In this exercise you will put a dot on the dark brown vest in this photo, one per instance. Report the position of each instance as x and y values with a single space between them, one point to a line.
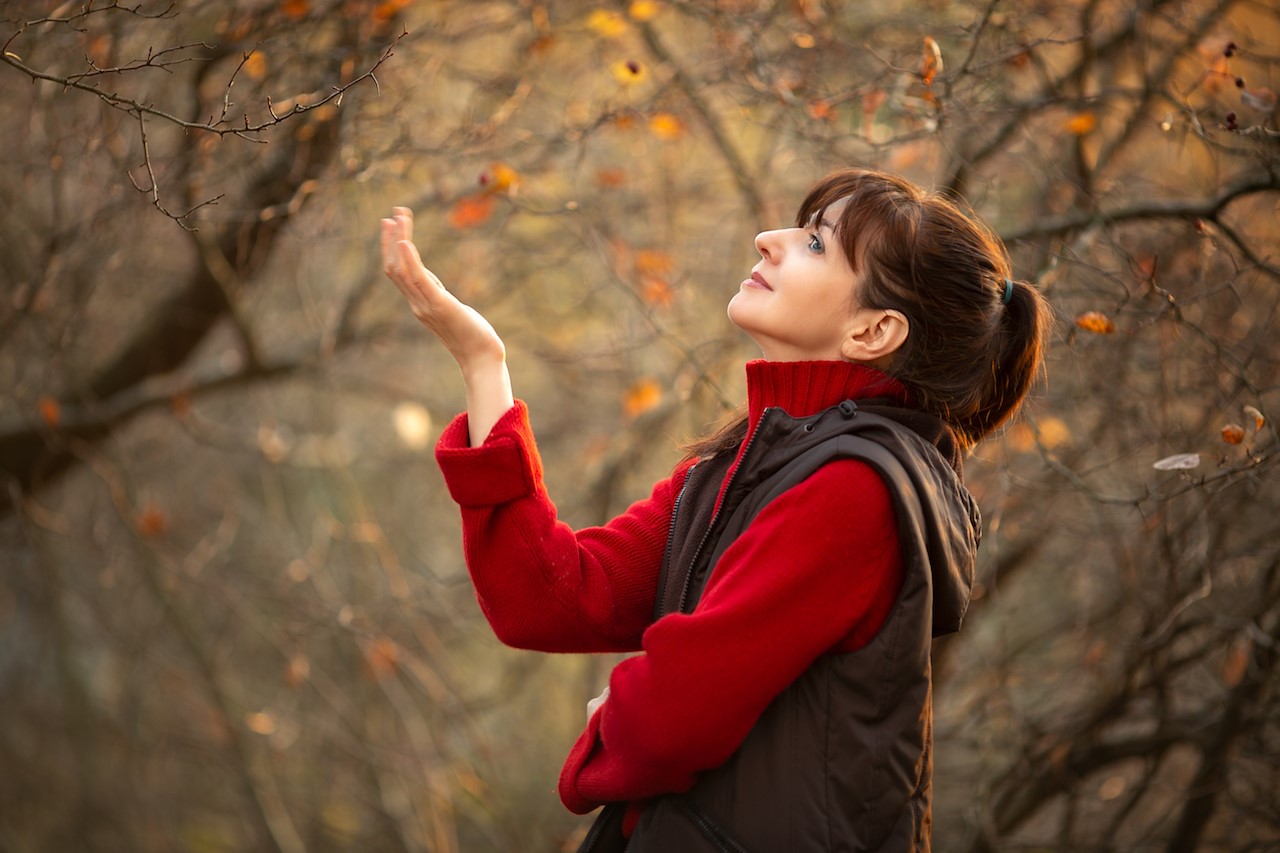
842 759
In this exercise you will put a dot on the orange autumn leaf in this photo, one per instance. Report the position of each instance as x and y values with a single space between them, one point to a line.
388 9
872 100
1081 123
297 671
381 657
931 63
641 397
150 521
820 111
470 211
653 262
295 9
1235 666
1217 74
50 411
1096 322
610 179
1258 419
656 292
1233 434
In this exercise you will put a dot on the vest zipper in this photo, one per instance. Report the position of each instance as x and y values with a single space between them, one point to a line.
724 842
671 529
706 534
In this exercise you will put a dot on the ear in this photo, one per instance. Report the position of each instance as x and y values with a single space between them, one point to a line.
874 335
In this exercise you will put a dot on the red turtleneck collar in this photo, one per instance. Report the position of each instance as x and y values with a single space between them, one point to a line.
803 388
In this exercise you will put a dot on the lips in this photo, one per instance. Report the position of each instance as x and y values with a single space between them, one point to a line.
759 279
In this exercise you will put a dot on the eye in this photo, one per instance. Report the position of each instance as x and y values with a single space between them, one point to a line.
815 244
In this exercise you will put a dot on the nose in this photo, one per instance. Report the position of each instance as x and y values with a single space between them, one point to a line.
768 244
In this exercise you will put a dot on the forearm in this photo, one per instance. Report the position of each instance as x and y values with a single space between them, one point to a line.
489 397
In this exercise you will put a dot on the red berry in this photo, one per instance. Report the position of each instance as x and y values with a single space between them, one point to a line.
1231 121
633 66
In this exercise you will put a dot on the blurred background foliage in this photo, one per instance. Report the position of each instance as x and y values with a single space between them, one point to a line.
233 609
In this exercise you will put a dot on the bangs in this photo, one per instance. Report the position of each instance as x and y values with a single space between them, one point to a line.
871 200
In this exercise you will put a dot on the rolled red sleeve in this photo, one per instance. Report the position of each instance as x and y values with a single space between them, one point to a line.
509 449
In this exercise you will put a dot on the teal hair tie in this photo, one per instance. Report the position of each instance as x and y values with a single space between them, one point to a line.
1008 291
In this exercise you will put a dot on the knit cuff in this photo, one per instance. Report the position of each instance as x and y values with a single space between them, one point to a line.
578 757
502 469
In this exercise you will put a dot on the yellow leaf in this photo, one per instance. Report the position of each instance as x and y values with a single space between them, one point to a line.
499 177
641 397
1081 123
642 10
629 73
255 65
931 63
666 126
804 41
606 24
1096 322
470 211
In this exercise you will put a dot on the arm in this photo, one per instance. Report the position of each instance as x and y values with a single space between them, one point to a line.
811 575
540 584
468 336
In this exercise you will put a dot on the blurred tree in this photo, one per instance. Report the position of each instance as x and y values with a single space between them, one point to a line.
234 614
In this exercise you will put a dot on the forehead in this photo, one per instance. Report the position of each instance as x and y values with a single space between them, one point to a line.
828 216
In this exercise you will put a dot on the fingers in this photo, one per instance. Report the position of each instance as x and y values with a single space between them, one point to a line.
404 216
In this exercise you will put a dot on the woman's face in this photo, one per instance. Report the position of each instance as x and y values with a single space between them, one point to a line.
799 302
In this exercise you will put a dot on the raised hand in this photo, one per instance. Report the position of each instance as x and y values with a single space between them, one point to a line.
468 336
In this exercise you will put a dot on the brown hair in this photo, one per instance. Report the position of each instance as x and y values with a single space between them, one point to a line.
970 356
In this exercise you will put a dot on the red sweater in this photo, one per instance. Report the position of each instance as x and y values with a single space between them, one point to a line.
816 572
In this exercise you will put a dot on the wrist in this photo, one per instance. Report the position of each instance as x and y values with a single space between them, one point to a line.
481 368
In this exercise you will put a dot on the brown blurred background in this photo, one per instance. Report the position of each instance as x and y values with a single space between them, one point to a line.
233 609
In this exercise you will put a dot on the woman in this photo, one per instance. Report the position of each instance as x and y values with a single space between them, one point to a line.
783 585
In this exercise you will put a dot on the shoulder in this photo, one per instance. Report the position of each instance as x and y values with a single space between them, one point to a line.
845 498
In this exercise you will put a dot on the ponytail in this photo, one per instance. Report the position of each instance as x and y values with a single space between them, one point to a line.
1019 344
